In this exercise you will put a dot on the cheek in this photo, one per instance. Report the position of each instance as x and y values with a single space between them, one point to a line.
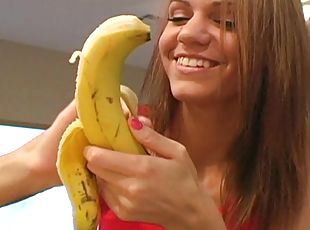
231 79
165 47
167 41
231 52
231 49
163 42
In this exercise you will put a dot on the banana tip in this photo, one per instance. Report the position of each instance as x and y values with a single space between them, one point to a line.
74 56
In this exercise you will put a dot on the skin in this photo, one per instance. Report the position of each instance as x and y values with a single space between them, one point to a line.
184 181
32 167
198 35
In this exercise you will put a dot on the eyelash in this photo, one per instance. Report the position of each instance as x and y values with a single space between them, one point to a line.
179 20
228 24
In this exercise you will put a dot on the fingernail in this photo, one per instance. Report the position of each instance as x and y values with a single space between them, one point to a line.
136 124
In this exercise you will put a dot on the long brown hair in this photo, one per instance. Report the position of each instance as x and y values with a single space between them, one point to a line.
267 176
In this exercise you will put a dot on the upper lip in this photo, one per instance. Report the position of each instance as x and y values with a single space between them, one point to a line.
197 56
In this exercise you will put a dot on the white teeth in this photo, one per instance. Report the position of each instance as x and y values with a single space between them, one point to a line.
206 64
193 62
200 63
185 61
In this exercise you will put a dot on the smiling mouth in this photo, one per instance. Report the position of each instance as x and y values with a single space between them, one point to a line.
196 62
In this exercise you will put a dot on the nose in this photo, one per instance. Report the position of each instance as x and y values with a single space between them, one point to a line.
194 32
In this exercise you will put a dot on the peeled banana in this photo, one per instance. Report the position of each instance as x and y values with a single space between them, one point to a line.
101 120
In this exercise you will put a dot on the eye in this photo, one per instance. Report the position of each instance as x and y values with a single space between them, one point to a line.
178 20
229 24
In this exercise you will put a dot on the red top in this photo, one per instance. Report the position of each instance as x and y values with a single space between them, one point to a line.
109 221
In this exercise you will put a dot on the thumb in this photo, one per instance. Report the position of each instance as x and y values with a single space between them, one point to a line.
65 117
154 141
161 145
146 121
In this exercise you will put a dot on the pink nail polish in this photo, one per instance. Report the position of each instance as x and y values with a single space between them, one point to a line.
136 124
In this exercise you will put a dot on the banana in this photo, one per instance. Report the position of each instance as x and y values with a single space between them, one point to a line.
100 99
80 183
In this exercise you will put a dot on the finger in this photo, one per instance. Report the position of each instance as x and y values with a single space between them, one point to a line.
68 114
161 145
151 139
119 204
111 177
64 118
130 165
146 121
54 133
110 199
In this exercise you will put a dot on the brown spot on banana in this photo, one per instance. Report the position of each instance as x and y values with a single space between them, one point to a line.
94 94
110 100
97 115
86 197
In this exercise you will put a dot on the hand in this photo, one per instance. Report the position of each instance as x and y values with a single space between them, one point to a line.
162 190
44 148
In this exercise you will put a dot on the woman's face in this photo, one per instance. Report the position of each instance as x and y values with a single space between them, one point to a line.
199 66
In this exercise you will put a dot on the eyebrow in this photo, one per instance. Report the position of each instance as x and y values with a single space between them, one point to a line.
219 3
182 1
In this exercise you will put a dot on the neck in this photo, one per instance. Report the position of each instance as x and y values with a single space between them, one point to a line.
208 133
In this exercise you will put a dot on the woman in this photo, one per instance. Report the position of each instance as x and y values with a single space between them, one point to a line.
229 98
229 93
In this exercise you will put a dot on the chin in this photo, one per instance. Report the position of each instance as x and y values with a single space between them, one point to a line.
190 94
193 94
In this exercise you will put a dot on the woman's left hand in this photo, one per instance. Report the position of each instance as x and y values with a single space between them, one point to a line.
163 190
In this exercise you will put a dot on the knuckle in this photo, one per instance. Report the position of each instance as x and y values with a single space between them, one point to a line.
182 151
91 155
147 138
136 194
134 190
124 213
145 168
126 210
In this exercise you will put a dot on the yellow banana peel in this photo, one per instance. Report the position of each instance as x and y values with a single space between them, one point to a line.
101 121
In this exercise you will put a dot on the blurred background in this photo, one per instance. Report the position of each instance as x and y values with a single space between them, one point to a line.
37 38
